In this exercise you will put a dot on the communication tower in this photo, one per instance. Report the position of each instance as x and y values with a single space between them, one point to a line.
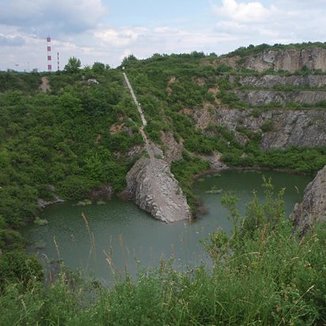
49 51
58 61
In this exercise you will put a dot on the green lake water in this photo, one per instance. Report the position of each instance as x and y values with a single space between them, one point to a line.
118 237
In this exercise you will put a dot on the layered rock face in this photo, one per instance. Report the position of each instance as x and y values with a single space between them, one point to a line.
288 59
270 81
154 189
285 128
286 110
313 207
263 97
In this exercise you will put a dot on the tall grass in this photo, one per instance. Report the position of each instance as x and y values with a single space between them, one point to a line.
263 274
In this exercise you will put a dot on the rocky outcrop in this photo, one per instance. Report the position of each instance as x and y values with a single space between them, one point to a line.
278 128
172 149
261 97
214 160
154 189
270 81
150 182
313 207
42 203
45 85
290 59
202 117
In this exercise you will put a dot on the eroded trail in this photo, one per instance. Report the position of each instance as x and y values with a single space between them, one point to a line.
143 120
150 181
142 116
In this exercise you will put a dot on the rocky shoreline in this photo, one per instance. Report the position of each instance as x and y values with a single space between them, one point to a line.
312 209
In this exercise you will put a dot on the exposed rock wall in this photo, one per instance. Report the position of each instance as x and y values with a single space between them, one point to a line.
313 207
172 149
290 60
270 81
154 189
300 128
261 97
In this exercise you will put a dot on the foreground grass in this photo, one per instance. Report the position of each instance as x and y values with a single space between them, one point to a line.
263 274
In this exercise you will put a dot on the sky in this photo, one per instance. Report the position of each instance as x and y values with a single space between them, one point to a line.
109 30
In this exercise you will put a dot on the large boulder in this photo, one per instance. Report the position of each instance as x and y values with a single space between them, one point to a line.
154 189
313 207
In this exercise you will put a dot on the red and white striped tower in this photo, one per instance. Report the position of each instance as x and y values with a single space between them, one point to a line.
49 50
58 61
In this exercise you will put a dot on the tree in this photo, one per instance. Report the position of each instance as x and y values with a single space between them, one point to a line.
130 58
99 67
73 65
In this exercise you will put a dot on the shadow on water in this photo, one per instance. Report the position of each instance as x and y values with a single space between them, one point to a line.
108 241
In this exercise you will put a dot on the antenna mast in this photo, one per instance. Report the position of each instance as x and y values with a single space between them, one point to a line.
49 56
58 61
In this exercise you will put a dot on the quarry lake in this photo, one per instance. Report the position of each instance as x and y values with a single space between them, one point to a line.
111 239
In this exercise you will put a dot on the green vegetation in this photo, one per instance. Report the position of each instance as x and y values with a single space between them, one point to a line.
60 142
262 274
73 65
184 170
252 49
78 135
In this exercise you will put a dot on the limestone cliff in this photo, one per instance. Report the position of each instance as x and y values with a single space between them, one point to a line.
154 189
278 128
270 81
313 207
263 97
289 59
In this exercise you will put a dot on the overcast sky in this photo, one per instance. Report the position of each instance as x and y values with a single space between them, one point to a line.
109 30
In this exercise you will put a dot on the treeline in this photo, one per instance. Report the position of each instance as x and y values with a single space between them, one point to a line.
255 49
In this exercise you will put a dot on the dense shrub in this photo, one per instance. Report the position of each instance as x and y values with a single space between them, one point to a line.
18 267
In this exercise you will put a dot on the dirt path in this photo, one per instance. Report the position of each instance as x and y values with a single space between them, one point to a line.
45 86
151 182
143 120
142 116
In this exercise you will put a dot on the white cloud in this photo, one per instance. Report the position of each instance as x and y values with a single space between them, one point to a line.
125 54
283 21
11 40
77 29
47 16
243 12
119 37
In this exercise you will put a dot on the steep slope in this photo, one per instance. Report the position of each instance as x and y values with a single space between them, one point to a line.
150 182
226 107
